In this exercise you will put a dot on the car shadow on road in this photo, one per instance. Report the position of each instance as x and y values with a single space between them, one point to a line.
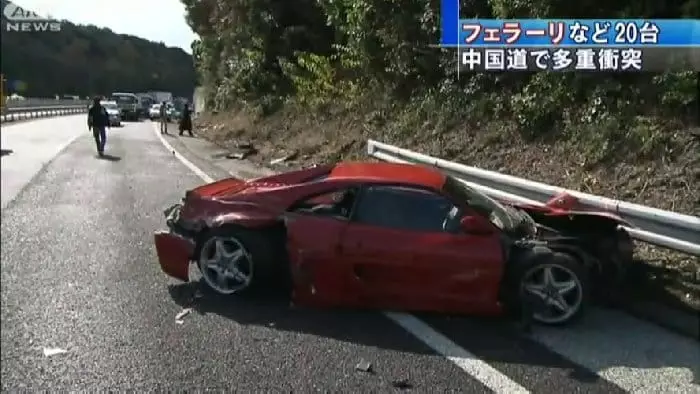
493 340
273 310
673 287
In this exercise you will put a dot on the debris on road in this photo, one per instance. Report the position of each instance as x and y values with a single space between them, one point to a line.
182 314
52 351
242 153
364 366
237 155
402 384
285 158
242 150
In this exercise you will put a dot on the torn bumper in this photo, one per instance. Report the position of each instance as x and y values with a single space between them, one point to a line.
174 249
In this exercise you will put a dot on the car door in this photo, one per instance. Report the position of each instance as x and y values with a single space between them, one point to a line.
402 256
314 229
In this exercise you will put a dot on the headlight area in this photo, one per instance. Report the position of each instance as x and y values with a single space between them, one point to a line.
177 225
190 227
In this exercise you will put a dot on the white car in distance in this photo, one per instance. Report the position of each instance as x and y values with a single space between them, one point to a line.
154 111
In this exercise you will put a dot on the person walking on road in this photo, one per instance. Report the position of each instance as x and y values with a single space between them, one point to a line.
163 118
98 122
186 121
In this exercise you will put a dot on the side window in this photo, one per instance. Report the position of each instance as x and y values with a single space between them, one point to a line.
338 203
407 209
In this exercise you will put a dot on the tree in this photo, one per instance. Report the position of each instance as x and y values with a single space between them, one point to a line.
87 60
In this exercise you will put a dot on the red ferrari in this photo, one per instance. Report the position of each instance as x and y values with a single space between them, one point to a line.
393 236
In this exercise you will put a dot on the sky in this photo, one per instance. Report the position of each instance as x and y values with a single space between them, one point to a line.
155 20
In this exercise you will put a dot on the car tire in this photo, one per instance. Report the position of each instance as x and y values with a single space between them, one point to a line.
567 271
257 250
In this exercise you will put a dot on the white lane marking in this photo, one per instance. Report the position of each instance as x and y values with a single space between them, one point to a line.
465 360
634 355
183 159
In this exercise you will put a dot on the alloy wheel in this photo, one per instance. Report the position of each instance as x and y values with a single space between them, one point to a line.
226 265
558 291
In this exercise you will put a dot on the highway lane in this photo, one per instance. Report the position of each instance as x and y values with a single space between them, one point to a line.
33 145
607 347
79 273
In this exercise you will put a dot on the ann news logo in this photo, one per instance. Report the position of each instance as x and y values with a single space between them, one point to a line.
23 21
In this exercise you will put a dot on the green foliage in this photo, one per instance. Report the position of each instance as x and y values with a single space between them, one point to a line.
321 52
316 81
86 60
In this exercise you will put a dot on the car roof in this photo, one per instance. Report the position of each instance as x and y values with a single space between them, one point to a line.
383 172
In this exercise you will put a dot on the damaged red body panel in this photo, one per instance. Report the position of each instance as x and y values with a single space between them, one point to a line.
564 204
346 244
174 254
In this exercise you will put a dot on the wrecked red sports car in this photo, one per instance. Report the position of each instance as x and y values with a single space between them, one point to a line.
393 236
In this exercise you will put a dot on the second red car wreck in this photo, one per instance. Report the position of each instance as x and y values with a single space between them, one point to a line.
393 236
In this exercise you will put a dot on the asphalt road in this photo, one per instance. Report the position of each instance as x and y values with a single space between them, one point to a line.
79 273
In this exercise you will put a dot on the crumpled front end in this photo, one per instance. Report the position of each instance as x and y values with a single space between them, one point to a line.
175 246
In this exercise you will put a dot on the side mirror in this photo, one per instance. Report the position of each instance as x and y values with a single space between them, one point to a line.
475 226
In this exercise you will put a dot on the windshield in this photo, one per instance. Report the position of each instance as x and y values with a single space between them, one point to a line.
499 215
110 106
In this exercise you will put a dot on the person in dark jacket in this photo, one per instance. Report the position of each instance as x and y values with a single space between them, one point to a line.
98 122
163 118
186 121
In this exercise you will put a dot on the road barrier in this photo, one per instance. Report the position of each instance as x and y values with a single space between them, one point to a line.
21 113
43 102
651 225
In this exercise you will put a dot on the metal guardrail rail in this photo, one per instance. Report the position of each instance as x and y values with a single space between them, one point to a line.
14 114
655 226
11 105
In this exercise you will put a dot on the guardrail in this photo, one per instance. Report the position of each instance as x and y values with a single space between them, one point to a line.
655 226
13 114
43 102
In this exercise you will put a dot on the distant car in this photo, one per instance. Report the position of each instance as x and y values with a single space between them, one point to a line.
115 118
154 112
393 236
146 103
173 113
129 105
